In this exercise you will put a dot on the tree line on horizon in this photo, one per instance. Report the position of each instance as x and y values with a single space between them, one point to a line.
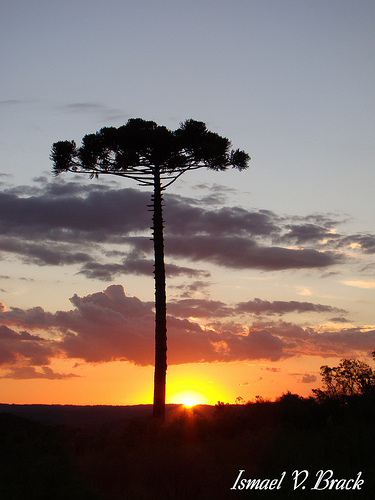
351 378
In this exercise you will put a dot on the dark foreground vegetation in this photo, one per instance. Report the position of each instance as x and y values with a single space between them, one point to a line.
194 455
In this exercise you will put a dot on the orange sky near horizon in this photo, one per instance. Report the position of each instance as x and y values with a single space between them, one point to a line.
120 383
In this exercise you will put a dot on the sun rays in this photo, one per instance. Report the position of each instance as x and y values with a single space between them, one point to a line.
188 398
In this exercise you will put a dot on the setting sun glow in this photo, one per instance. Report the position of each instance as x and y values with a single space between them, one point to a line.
188 398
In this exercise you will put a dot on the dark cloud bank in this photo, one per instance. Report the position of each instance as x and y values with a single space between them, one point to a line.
57 223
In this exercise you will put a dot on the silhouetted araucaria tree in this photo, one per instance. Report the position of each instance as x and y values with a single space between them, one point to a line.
153 156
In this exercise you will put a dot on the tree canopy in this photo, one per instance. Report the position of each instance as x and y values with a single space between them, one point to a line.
137 148
351 377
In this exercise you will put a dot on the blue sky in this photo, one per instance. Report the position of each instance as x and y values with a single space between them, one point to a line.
290 82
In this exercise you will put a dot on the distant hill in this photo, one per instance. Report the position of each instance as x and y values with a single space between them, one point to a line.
96 416
71 415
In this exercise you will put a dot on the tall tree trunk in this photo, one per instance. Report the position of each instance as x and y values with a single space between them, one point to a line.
160 303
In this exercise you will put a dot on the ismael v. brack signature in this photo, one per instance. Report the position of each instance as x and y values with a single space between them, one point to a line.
301 479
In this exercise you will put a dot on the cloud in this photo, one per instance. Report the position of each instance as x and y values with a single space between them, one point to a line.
29 372
79 107
74 212
15 345
205 308
103 272
191 289
45 253
366 242
197 219
360 284
279 307
104 112
244 253
304 233
12 102
339 319
217 194
109 325
199 308
308 379
54 223
137 266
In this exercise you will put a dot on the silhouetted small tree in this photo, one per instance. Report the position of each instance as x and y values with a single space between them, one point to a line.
153 156
351 377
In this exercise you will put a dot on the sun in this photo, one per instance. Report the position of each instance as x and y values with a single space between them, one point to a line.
190 401
188 398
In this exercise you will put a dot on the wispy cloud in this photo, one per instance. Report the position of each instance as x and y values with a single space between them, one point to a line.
96 108
360 284
279 307
13 102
